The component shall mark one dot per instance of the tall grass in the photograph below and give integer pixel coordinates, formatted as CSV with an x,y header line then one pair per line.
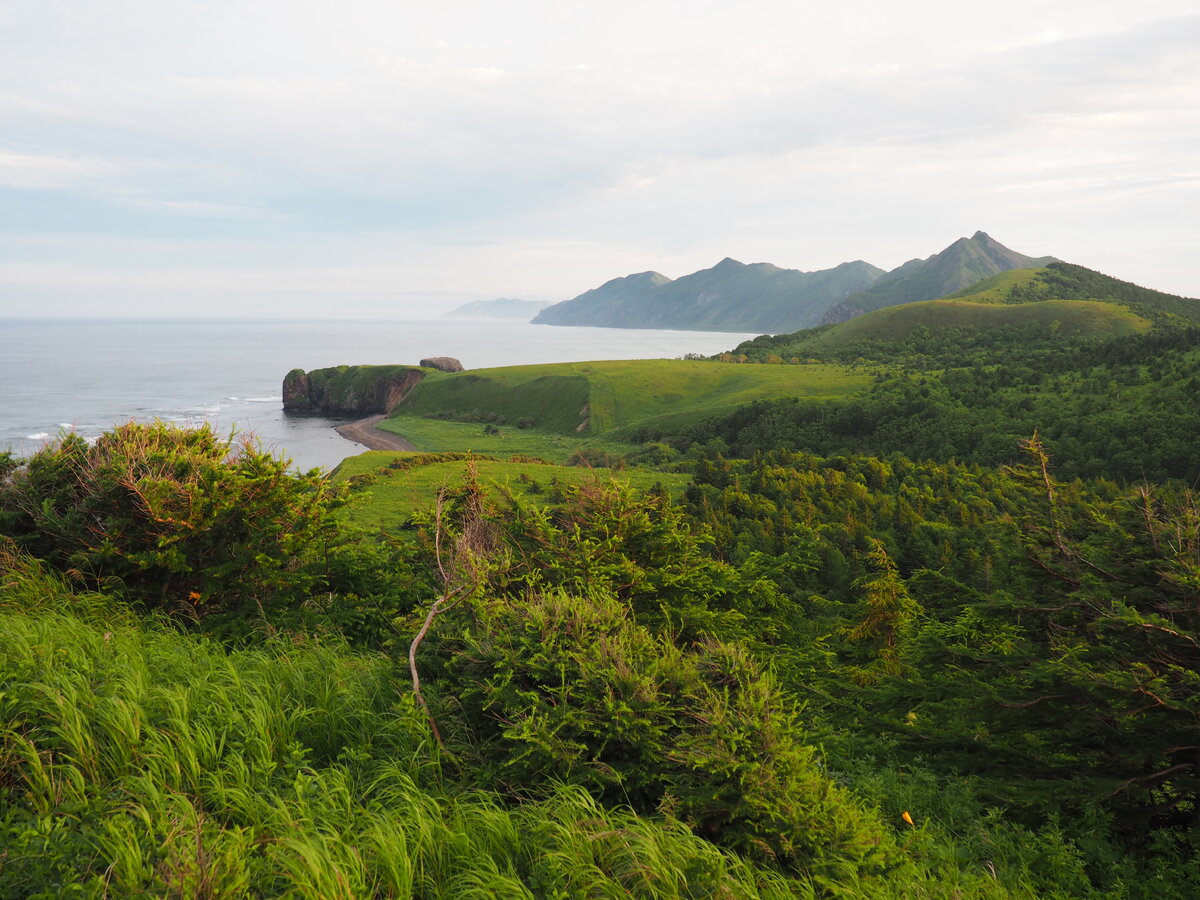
x,y
137,761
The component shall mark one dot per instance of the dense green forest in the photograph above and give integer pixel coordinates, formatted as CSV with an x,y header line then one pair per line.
x,y
1106,405
937,639
1121,410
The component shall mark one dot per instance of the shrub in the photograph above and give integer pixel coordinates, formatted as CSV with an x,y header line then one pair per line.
x,y
563,688
173,518
641,549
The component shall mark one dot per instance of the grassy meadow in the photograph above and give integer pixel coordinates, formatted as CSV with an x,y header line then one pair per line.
x,y
551,410
387,488
1000,287
439,435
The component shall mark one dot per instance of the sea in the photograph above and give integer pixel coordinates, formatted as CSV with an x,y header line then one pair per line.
x,y
85,376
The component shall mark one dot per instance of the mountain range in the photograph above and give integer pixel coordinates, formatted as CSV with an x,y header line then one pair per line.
x,y
760,297
731,296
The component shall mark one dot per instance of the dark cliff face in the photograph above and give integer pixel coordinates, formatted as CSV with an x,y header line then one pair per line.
x,y
295,392
349,390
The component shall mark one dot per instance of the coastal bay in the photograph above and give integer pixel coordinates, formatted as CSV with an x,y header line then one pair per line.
x,y
86,375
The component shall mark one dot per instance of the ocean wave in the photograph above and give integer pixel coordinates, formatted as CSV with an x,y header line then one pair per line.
x,y
37,436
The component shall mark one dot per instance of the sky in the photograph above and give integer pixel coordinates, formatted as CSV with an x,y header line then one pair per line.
x,y
392,159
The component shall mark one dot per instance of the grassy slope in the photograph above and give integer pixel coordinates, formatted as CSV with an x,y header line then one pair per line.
x,y
998,288
388,499
580,402
1063,281
343,380
963,263
1085,318
436,435
1084,303
553,396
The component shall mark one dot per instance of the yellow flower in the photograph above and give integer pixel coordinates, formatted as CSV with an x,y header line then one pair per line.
x,y
907,818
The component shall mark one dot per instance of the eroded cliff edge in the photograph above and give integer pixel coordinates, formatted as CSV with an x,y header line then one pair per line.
x,y
349,390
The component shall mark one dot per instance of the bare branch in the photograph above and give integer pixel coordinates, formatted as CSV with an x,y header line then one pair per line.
x,y
1183,637
437,533
1153,776
1035,702
462,573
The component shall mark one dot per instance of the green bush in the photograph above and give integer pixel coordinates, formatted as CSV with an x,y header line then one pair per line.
x,y
177,519
563,688
641,548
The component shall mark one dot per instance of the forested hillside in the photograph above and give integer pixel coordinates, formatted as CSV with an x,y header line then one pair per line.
x,y
1110,388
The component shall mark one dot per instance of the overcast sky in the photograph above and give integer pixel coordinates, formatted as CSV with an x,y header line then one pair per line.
x,y
368,158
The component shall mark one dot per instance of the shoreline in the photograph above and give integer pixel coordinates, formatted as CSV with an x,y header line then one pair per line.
x,y
365,432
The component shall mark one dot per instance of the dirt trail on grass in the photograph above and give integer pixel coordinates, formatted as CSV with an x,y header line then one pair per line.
x,y
364,432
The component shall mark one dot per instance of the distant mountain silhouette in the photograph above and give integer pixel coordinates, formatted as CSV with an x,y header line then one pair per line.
x,y
501,308
731,296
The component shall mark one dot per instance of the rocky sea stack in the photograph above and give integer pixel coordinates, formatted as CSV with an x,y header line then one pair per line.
x,y
349,390
442,364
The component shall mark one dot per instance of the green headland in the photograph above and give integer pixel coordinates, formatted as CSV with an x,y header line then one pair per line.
x,y
552,410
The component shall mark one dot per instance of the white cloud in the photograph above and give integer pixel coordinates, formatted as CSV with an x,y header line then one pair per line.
x,y
30,170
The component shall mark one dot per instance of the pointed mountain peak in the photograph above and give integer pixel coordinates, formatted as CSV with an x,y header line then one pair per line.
x,y
729,263
983,243
859,265
636,278
980,240
655,277
765,267
963,263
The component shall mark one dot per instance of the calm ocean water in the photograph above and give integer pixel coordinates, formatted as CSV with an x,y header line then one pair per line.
x,y
88,375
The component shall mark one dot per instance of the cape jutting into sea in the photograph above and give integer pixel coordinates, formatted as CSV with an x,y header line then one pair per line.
x,y
87,375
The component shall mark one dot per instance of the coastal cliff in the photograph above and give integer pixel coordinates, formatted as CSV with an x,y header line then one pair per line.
x,y
349,390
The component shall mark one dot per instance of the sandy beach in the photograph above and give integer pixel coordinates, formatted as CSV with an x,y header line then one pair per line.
x,y
364,432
